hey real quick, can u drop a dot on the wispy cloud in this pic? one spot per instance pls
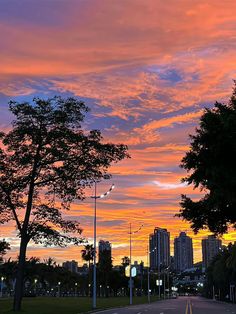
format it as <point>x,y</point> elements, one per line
<point>169,186</point>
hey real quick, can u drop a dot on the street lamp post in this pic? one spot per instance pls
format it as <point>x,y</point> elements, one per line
<point>130,257</point>
<point>76,284</point>
<point>35,286</point>
<point>89,290</point>
<point>59,291</point>
<point>166,283</point>
<point>148,273</point>
<point>2,279</point>
<point>95,197</point>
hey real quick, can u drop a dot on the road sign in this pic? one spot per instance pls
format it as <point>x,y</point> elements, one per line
<point>159,282</point>
<point>133,271</point>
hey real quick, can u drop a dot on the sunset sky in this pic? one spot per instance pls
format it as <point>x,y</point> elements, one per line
<point>146,68</point>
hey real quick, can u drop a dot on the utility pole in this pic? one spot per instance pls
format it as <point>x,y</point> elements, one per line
<point>94,245</point>
<point>130,272</point>
<point>148,273</point>
<point>130,257</point>
<point>159,264</point>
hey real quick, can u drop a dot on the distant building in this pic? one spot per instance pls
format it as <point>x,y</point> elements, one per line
<point>139,267</point>
<point>83,270</point>
<point>159,249</point>
<point>210,248</point>
<point>183,252</point>
<point>104,246</point>
<point>71,266</point>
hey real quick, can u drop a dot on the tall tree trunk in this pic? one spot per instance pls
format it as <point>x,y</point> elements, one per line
<point>19,288</point>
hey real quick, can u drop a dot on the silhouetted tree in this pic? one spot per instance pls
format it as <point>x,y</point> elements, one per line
<point>46,162</point>
<point>105,268</point>
<point>221,273</point>
<point>4,246</point>
<point>211,165</point>
<point>88,253</point>
<point>125,261</point>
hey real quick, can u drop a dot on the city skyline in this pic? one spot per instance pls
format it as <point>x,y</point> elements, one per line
<point>146,79</point>
<point>210,246</point>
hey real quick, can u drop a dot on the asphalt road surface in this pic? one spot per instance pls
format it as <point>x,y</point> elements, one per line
<point>181,305</point>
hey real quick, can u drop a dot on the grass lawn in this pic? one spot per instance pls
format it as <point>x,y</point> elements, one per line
<point>48,305</point>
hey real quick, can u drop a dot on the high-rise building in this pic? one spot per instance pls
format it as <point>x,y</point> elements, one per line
<point>71,266</point>
<point>104,246</point>
<point>159,249</point>
<point>210,248</point>
<point>183,250</point>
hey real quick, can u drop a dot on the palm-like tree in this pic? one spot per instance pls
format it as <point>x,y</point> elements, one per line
<point>88,253</point>
<point>125,261</point>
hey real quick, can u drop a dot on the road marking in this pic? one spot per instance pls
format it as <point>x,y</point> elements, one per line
<point>186,310</point>
<point>139,313</point>
<point>190,308</point>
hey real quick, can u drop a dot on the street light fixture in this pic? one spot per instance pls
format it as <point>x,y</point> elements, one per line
<point>95,197</point>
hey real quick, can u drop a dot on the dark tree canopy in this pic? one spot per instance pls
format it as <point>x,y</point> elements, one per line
<point>46,162</point>
<point>49,158</point>
<point>4,246</point>
<point>87,253</point>
<point>211,166</point>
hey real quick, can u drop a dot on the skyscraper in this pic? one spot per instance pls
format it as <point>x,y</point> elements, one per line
<point>104,246</point>
<point>71,266</point>
<point>210,248</point>
<point>159,248</point>
<point>183,252</point>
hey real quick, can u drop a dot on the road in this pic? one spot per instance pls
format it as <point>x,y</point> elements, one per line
<point>181,305</point>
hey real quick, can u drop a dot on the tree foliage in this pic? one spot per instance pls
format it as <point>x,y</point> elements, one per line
<point>221,273</point>
<point>46,162</point>
<point>87,253</point>
<point>211,166</point>
<point>47,151</point>
<point>105,268</point>
<point>4,246</point>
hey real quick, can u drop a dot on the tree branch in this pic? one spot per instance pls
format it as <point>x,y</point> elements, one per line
<point>31,190</point>
<point>12,207</point>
